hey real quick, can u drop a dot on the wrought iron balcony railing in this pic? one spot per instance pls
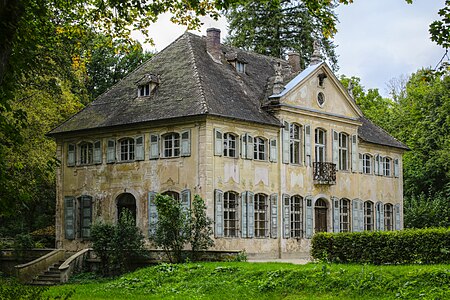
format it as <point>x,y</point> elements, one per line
<point>324,173</point>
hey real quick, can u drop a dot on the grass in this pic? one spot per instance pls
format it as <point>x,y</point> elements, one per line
<point>266,281</point>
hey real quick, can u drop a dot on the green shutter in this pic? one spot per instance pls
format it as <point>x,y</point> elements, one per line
<point>244,215</point>
<point>397,217</point>
<point>381,216</point>
<point>308,160</point>
<point>97,152</point>
<point>354,153</point>
<point>111,151</point>
<point>249,145</point>
<point>86,216</point>
<point>186,143</point>
<point>273,150</point>
<point>357,215</point>
<point>139,142</point>
<point>152,214</point>
<point>218,142</point>
<point>335,147</point>
<point>396,168</point>
<point>218,213</point>
<point>309,217</point>
<point>274,215</point>
<point>336,219</point>
<point>361,163</point>
<point>69,217</point>
<point>71,155</point>
<point>286,216</point>
<point>186,199</point>
<point>286,135</point>
<point>154,146</point>
<point>376,165</point>
<point>250,214</point>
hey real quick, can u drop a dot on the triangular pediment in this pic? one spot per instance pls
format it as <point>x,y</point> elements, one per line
<point>318,90</point>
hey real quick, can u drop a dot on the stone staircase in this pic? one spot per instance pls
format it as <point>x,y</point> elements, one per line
<point>49,277</point>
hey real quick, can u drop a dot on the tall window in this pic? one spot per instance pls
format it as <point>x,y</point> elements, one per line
<point>86,153</point>
<point>296,217</point>
<point>344,215</point>
<point>229,145</point>
<point>295,143</point>
<point>320,142</point>
<point>173,194</point>
<point>343,151</point>
<point>230,214</point>
<point>388,216</point>
<point>368,215</point>
<point>171,144</point>
<point>261,217</point>
<point>127,149</point>
<point>367,163</point>
<point>260,148</point>
<point>386,166</point>
<point>85,206</point>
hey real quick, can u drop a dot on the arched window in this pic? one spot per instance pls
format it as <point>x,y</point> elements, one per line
<point>229,145</point>
<point>320,145</point>
<point>230,214</point>
<point>296,218</point>
<point>172,194</point>
<point>295,143</point>
<point>366,163</point>
<point>126,149</point>
<point>261,216</point>
<point>387,166</point>
<point>344,215</point>
<point>320,215</point>
<point>388,216</point>
<point>86,153</point>
<point>171,144</point>
<point>126,201</point>
<point>343,151</point>
<point>260,149</point>
<point>368,216</point>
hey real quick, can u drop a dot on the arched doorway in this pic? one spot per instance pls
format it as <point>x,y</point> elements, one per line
<point>126,201</point>
<point>320,216</point>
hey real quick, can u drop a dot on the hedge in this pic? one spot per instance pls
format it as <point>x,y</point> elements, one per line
<point>427,246</point>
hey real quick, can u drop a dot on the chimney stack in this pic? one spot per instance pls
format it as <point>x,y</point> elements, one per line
<point>294,61</point>
<point>213,43</point>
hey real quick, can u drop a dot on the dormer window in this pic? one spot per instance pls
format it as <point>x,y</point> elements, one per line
<point>240,67</point>
<point>144,90</point>
<point>147,84</point>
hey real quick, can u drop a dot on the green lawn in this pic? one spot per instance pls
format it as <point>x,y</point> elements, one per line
<point>267,281</point>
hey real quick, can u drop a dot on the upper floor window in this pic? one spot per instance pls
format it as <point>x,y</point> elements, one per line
<point>388,216</point>
<point>144,90</point>
<point>386,166</point>
<point>320,145</point>
<point>126,149</point>
<point>240,67</point>
<point>295,143</point>
<point>343,151</point>
<point>260,148</point>
<point>366,163</point>
<point>171,144</point>
<point>86,153</point>
<point>229,145</point>
<point>368,215</point>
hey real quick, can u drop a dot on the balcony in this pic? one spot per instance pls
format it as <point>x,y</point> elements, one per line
<point>324,173</point>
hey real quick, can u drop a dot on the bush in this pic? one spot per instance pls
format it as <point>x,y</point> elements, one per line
<point>201,230</point>
<point>429,246</point>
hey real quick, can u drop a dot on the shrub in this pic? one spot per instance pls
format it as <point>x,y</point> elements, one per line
<point>428,246</point>
<point>201,230</point>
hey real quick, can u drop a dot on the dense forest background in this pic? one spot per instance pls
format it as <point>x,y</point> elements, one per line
<point>56,57</point>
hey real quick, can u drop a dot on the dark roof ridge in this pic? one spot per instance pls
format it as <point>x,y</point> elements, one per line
<point>196,74</point>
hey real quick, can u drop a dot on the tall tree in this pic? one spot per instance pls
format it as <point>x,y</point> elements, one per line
<point>276,27</point>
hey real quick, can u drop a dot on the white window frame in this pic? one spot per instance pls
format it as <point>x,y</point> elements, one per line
<point>144,90</point>
<point>230,145</point>
<point>86,153</point>
<point>240,67</point>
<point>344,215</point>
<point>320,153</point>
<point>261,213</point>
<point>259,148</point>
<point>231,207</point>
<point>387,166</point>
<point>388,217</point>
<point>369,210</point>
<point>126,149</point>
<point>296,217</point>
<point>367,163</point>
<point>295,131</point>
<point>343,151</point>
<point>171,144</point>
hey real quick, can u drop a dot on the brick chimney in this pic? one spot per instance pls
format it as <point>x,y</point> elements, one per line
<point>213,43</point>
<point>294,61</point>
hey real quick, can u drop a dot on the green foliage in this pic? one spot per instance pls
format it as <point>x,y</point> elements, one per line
<point>440,29</point>
<point>272,281</point>
<point>428,246</point>
<point>10,289</point>
<point>117,245</point>
<point>201,227</point>
<point>425,212</point>
<point>276,27</point>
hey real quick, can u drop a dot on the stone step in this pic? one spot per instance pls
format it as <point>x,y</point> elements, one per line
<point>49,276</point>
<point>44,282</point>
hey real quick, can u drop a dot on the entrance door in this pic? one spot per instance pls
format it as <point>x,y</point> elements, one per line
<point>126,201</point>
<point>320,216</point>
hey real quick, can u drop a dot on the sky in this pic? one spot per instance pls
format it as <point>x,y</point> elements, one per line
<point>378,40</point>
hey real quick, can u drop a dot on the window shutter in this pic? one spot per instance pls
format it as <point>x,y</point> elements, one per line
<point>274,215</point>
<point>139,141</point>
<point>218,142</point>
<point>354,153</point>
<point>273,150</point>
<point>376,165</point>
<point>357,215</point>
<point>250,214</point>
<point>243,140</point>
<point>307,145</point>
<point>381,216</point>
<point>244,215</point>
<point>186,143</point>
<point>111,151</point>
<point>69,217</point>
<point>286,135</point>
<point>154,146</point>
<point>377,216</point>
<point>97,152</point>
<point>361,215</point>
<point>286,216</point>
<point>396,168</point>
<point>361,165</point>
<point>219,213</point>
<point>397,217</point>
<point>381,165</point>
<point>86,217</point>
<point>336,220</point>
<point>309,217</point>
<point>335,147</point>
<point>186,199</point>
<point>152,214</point>
<point>249,145</point>
<point>71,155</point>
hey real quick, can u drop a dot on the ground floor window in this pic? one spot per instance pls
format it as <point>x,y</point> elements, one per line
<point>230,214</point>
<point>344,215</point>
<point>388,217</point>
<point>77,217</point>
<point>261,216</point>
<point>296,217</point>
<point>368,215</point>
